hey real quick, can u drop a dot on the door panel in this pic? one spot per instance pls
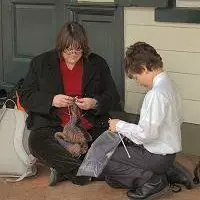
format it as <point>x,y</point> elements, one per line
<point>34,29</point>
<point>29,28</point>
<point>101,38</point>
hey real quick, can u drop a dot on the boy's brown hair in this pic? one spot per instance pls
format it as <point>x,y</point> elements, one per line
<point>139,55</point>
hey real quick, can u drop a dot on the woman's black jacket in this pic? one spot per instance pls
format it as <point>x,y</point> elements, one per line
<point>44,81</point>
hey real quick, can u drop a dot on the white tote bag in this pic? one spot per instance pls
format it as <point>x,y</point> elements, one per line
<point>15,158</point>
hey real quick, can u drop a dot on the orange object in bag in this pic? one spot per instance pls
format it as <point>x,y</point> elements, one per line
<point>19,107</point>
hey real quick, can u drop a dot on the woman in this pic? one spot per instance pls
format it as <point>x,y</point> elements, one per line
<point>157,137</point>
<point>54,80</point>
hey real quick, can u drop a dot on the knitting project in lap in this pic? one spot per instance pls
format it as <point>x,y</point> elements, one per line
<point>74,138</point>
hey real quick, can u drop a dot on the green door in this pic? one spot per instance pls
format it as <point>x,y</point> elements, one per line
<point>29,27</point>
<point>104,26</point>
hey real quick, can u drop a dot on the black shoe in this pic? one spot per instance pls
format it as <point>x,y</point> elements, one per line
<point>80,180</point>
<point>179,175</point>
<point>114,184</point>
<point>55,177</point>
<point>155,187</point>
<point>99,178</point>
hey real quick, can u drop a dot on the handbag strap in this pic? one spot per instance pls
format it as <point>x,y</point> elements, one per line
<point>31,170</point>
<point>3,109</point>
<point>4,105</point>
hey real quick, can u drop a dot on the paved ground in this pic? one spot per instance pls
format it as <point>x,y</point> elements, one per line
<point>36,188</point>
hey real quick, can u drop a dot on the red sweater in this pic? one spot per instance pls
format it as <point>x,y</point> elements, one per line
<point>72,81</point>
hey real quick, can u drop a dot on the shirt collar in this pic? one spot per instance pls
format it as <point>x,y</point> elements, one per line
<point>158,78</point>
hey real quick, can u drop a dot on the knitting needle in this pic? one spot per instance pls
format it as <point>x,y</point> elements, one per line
<point>124,145</point>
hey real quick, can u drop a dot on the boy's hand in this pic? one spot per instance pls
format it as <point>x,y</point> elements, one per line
<point>112,124</point>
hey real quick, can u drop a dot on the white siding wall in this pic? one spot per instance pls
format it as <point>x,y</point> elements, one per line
<point>100,1</point>
<point>179,46</point>
<point>188,3</point>
<point>180,3</point>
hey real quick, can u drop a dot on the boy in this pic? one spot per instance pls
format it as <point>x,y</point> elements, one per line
<point>157,137</point>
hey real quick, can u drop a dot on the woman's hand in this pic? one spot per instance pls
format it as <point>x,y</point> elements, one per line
<point>86,103</point>
<point>112,124</point>
<point>62,100</point>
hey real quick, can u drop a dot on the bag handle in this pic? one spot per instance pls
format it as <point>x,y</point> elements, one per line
<point>4,105</point>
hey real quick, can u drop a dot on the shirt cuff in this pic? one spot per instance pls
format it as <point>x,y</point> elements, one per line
<point>119,125</point>
<point>128,130</point>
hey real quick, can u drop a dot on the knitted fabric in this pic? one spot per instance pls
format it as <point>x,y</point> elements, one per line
<point>74,138</point>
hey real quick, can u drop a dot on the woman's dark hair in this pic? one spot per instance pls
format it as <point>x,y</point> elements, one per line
<point>72,34</point>
<point>139,55</point>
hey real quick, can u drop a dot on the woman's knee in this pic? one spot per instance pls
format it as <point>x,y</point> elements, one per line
<point>37,140</point>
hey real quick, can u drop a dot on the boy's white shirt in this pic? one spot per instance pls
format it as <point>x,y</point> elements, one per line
<point>159,127</point>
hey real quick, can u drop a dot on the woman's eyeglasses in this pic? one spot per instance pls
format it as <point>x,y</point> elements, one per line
<point>73,51</point>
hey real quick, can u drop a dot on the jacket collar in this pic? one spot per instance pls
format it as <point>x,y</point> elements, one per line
<point>53,64</point>
<point>54,70</point>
